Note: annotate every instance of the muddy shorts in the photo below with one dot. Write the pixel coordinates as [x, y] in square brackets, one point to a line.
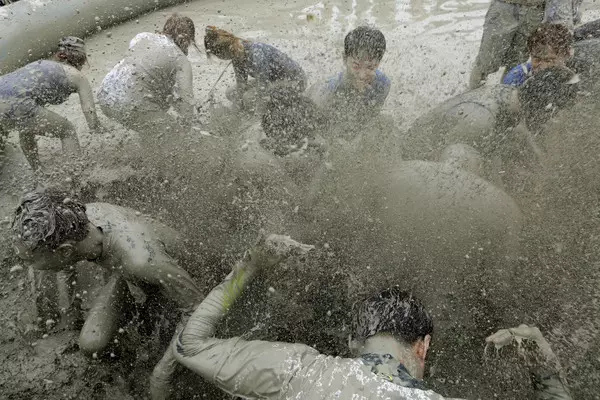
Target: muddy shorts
[505, 32]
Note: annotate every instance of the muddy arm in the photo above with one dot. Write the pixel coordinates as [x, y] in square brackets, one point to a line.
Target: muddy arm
[185, 88]
[256, 369]
[544, 366]
[86, 98]
[588, 31]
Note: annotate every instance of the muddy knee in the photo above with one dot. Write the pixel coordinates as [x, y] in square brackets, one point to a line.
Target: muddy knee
[104, 317]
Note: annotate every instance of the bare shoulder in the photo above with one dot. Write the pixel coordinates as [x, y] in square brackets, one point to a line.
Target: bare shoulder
[139, 237]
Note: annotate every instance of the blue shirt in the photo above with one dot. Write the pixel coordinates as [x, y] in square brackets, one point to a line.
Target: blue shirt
[36, 84]
[518, 75]
[373, 96]
[267, 64]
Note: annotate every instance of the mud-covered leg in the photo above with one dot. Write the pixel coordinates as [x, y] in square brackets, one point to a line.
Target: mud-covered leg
[499, 30]
[47, 122]
[29, 148]
[160, 381]
[46, 299]
[3, 136]
[103, 319]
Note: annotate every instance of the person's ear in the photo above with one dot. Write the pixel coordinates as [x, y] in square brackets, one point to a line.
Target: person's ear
[421, 347]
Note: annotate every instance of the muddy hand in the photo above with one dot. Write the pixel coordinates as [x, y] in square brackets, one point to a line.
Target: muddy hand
[530, 342]
[272, 249]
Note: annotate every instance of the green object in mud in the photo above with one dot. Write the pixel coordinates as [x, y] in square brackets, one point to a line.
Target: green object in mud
[31, 30]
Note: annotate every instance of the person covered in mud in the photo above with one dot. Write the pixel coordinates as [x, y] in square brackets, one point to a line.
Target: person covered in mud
[154, 76]
[550, 45]
[390, 337]
[362, 88]
[507, 25]
[480, 118]
[268, 65]
[25, 92]
[52, 232]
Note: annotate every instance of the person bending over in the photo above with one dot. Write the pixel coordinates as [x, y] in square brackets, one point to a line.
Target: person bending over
[391, 336]
[25, 92]
[52, 231]
[263, 62]
[507, 25]
[362, 88]
[549, 46]
[154, 76]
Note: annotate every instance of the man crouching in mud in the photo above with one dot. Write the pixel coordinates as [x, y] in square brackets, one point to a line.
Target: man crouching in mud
[390, 338]
[52, 231]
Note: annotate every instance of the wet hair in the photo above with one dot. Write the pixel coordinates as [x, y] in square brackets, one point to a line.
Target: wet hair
[181, 30]
[393, 312]
[365, 41]
[288, 118]
[72, 50]
[544, 94]
[557, 36]
[221, 43]
[47, 219]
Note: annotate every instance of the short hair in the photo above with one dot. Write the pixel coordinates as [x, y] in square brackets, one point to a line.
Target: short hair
[545, 93]
[394, 312]
[47, 219]
[365, 40]
[181, 30]
[557, 36]
[73, 49]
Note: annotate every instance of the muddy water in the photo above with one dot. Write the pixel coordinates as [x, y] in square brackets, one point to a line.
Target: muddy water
[431, 46]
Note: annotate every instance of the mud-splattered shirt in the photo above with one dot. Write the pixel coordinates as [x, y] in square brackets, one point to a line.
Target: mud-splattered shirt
[387, 367]
[36, 84]
[267, 64]
[275, 370]
[338, 96]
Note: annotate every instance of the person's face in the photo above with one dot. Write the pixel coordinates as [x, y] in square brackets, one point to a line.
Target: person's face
[44, 259]
[361, 71]
[545, 57]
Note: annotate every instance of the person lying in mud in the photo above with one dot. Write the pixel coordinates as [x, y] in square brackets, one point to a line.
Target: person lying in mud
[391, 336]
[52, 231]
[362, 88]
[507, 25]
[479, 118]
[25, 92]
[265, 63]
[550, 45]
[154, 76]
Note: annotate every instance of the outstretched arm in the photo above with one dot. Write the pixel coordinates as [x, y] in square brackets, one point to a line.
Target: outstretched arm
[86, 98]
[255, 369]
[185, 88]
[546, 372]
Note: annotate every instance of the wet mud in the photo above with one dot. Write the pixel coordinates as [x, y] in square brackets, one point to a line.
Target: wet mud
[219, 190]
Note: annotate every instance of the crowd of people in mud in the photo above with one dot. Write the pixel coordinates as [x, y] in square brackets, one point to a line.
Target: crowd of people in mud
[550, 60]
